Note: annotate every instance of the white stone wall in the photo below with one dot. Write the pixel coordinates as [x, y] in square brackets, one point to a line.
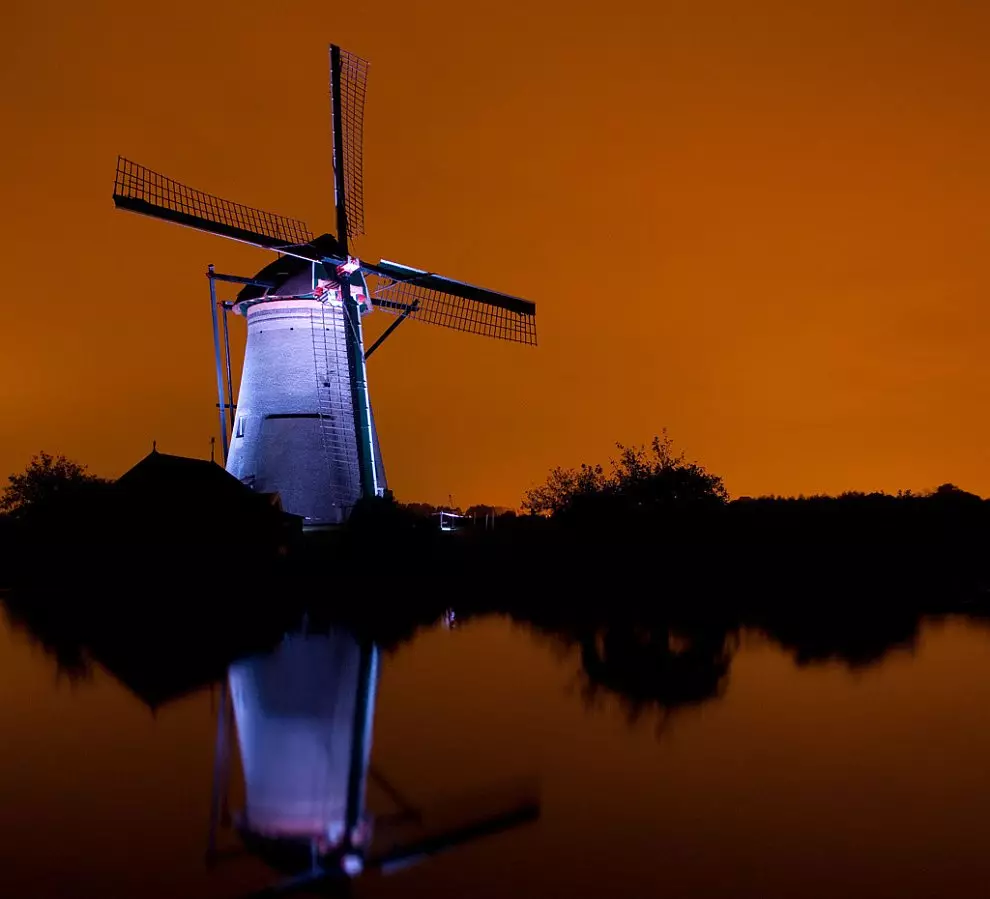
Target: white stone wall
[294, 430]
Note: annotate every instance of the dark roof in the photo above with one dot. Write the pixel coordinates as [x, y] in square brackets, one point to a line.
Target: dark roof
[163, 469]
[284, 268]
[163, 480]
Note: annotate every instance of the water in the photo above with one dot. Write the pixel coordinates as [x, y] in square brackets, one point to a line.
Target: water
[787, 780]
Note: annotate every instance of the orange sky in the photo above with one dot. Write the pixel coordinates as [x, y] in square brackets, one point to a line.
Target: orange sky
[761, 225]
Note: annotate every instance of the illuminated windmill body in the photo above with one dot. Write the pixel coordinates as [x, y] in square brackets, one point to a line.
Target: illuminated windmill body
[303, 425]
[295, 432]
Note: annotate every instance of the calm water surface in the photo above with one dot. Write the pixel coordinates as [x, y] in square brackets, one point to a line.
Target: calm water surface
[793, 781]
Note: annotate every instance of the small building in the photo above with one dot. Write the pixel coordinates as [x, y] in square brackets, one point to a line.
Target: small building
[450, 521]
[194, 506]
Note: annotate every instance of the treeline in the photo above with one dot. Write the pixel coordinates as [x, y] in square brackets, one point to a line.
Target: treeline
[479, 511]
[655, 533]
[645, 567]
[651, 523]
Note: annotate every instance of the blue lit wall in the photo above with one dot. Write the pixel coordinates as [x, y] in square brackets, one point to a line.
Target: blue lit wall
[294, 431]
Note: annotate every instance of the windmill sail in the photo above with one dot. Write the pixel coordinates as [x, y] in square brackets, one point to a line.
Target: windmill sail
[446, 826]
[452, 304]
[139, 189]
[353, 90]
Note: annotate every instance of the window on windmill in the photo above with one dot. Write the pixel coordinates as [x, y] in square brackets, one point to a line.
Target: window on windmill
[239, 426]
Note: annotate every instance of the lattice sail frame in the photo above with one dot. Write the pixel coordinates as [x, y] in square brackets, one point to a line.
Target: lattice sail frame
[143, 190]
[353, 91]
[449, 311]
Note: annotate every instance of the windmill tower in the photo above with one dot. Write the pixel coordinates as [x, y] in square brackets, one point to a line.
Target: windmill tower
[303, 424]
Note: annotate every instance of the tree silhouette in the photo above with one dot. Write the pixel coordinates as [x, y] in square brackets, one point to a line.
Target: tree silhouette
[47, 480]
[565, 488]
[640, 479]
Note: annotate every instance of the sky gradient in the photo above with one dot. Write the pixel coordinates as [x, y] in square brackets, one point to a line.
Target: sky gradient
[762, 226]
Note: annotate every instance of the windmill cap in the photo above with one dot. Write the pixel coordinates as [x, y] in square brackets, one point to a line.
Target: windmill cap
[290, 274]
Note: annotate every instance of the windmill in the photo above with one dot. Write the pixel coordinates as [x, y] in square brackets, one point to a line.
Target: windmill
[303, 425]
[303, 718]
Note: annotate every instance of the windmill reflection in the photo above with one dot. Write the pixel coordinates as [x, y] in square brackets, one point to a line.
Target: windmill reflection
[302, 718]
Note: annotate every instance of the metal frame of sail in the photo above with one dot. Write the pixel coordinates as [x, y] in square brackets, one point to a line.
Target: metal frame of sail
[352, 314]
[142, 190]
[146, 192]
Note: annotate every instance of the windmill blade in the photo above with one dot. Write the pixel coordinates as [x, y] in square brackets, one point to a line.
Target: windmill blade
[349, 131]
[452, 304]
[409, 854]
[448, 826]
[139, 189]
[326, 881]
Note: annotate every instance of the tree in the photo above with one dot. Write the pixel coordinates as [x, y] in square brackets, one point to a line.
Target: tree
[419, 510]
[47, 479]
[662, 477]
[566, 488]
[640, 480]
[956, 494]
[481, 510]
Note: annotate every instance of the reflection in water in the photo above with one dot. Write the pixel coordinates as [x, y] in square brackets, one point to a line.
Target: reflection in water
[651, 662]
[304, 715]
[667, 666]
[58, 636]
[855, 640]
[657, 668]
[797, 781]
